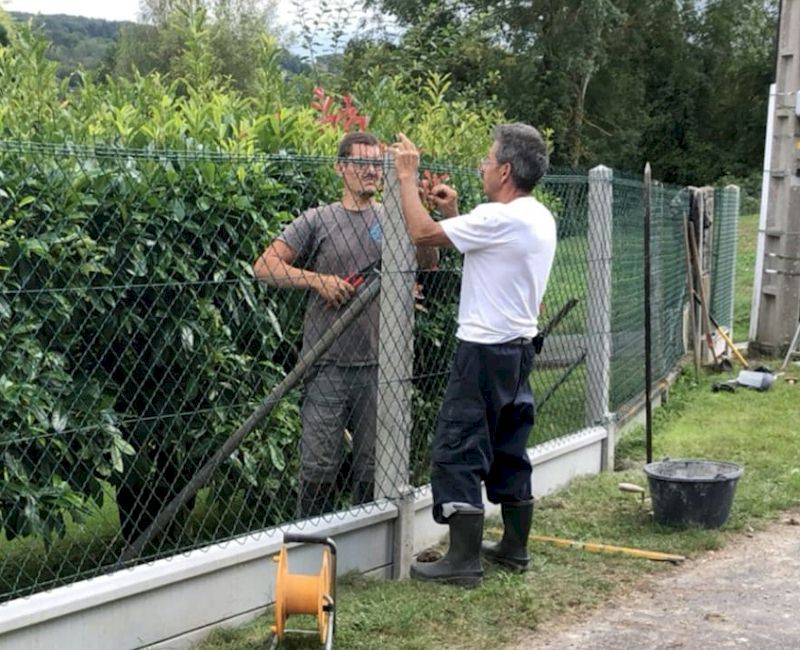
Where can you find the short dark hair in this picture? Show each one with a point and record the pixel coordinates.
(523, 147)
(356, 137)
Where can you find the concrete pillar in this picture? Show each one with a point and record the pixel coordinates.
(779, 303)
(396, 361)
(598, 300)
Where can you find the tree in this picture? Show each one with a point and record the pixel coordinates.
(5, 28)
(234, 32)
(682, 83)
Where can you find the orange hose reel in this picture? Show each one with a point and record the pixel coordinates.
(297, 593)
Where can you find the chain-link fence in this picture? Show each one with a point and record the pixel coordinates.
(723, 266)
(669, 207)
(155, 395)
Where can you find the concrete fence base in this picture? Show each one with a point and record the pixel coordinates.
(176, 602)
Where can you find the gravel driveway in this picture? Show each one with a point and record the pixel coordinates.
(746, 595)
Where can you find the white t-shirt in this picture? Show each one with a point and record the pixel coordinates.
(508, 252)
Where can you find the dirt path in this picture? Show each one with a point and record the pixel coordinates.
(746, 595)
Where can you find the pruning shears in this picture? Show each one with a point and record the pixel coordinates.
(357, 278)
(354, 279)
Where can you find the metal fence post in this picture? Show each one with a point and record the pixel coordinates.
(598, 301)
(396, 360)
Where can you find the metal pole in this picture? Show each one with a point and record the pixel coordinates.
(365, 295)
(648, 369)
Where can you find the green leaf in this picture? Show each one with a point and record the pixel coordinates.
(116, 460)
(178, 210)
(276, 457)
(35, 246)
(59, 421)
(187, 338)
(276, 325)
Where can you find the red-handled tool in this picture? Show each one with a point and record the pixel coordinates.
(354, 279)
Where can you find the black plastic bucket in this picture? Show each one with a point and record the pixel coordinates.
(687, 492)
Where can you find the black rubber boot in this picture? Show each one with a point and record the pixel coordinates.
(462, 563)
(512, 551)
(316, 499)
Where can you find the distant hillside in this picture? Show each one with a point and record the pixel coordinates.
(76, 42)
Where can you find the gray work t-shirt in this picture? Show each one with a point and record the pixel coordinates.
(335, 241)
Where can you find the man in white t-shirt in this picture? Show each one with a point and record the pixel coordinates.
(488, 409)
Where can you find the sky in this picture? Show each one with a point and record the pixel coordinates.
(129, 10)
(107, 9)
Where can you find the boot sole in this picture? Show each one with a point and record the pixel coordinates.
(511, 565)
(470, 582)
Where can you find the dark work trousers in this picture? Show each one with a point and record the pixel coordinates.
(338, 398)
(483, 428)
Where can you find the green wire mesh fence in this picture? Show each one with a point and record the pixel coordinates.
(669, 208)
(723, 268)
(136, 341)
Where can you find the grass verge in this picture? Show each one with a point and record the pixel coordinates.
(757, 430)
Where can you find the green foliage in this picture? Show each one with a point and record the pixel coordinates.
(134, 310)
(226, 39)
(619, 83)
(443, 124)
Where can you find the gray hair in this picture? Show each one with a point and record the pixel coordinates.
(523, 147)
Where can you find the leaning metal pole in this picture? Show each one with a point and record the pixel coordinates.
(370, 290)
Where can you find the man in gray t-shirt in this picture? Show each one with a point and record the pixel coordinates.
(318, 251)
(334, 240)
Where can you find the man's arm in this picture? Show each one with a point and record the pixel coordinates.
(422, 229)
(274, 267)
(427, 257)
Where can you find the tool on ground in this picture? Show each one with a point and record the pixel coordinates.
(702, 296)
(632, 487)
(608, 548)
(728, 341)
(755, 379)
(297, 593)
(723, 334)
(792, 351)
(724, 387)
(690, 282)
(593, 547)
